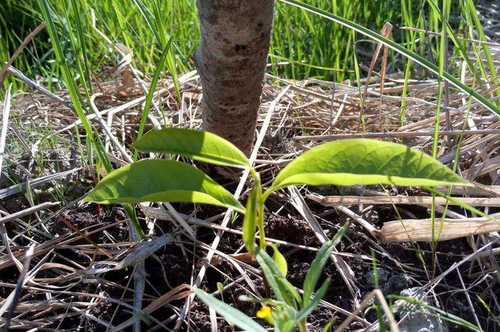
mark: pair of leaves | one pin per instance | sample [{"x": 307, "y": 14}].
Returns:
[
  {"x": 343, "y": 162},
  {"x": 172, "y": 181}
]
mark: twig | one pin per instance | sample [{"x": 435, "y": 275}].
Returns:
[
  {"x": 375, "y": 294},
  {"x": 398, "y": 134},
  {"x": 357, "y": 218},
  {"x": 21, "y": 47},
  {"x": 21, "y": 281},
  {"x": 46, "y": 246},
  {"x": 28, "y": 211},
  {"x": 386, "y": 32},
  {"x": 17, "y": 188},
  {"x": 35, "y": 86},
  {"x": 6, "y": 242},
  {"x": 434, "y": 282},
  {"x": 142, "y": 251},
  {"x": 403, "y": 200},
  {"x": 107, "y": 130},
  {"x": 339, "y": 112},
  {"x": 427, "y": 230},
  {"x": 139, "y": 275},
  {"x": 179, "y": 292},
  {"x": 469, "y": 301}
]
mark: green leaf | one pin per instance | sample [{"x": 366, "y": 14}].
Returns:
[
  {"x": 292, "y": 296},
  {"x": 271, "y": 273},
  {"x": 306, "y": 310},
  {"x": 250, "y": 222},
  {"x": 161, "y": 181},
  {"x": 282, "y": 288},
  {"x": 199, "y": 145},
  {"x": 71, "y": 82},
  {"x": 314, "y": 272},
  {"x": 328, "y": 327},
  {"x": 365, "y": 162},
  {"x": 280, "y": 260},
  {"x": 287, "y": 326},
  {"x": 230, "y": 314}
]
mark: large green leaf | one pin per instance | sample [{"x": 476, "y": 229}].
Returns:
[
  {"x": 199, "y": 145},
  {"x": 232, "y": 315},
  {"x": 161, "y": 181},
  {"x": 365, "y": 162}
]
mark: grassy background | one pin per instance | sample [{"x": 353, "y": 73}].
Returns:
[{"x": 312, "y": 46}]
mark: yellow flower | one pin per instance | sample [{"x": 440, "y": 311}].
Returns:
[{"x": 266, "y": 313}]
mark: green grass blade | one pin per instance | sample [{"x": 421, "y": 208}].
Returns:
[
  {"x": 488, "y": 104},
  {"x": 152, "y": 89},
  {"x": 307, "y": 309},
  {"x": 315, "y": 270},
  {"x": 71, "y": 85},
  {"x": 271, "y": 273},
  {"x": 230, "y": 314}
]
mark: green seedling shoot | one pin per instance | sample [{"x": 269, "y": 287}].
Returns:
[{"x": 341, "y": 163}]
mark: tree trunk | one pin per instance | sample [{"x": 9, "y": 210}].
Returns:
[{"x": 231, "y": 62}]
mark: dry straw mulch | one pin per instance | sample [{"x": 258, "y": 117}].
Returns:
[{"x": 68, "y": 265}]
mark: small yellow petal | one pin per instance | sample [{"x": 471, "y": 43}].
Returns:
[{"x": 266, "y": 313}]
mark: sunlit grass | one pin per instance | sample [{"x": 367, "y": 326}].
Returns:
[{"x": 312, "y": 46}]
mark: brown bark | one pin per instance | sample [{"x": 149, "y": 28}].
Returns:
[{"x": 231, "y": 62}]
